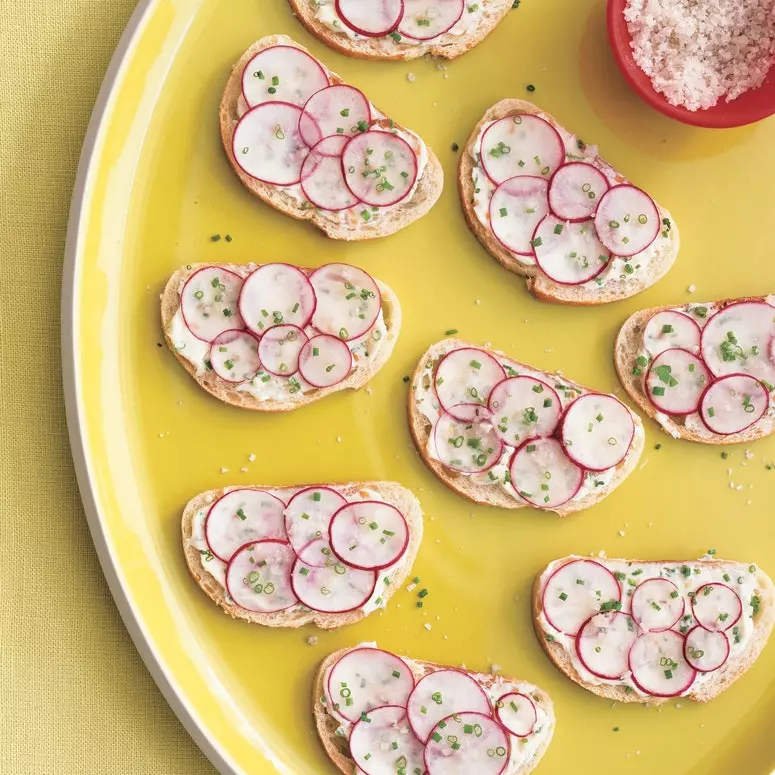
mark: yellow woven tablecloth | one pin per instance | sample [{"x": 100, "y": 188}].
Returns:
[{"x": 74, "y": 695}]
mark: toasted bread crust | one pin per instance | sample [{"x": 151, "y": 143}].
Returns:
[
  {"x": 722, "y": 678},
  {"x": 491, "y": 495},
  {"x": 228, "y": 393},
  {"x": 537, "y": 283},
  {"x": 446, "y": 46},
  {"x": 626, "y": 349},
  {"x": 425, "y": 195},
  {"x": 336, "y": 746},
  {"x": 392, "y": 493}
]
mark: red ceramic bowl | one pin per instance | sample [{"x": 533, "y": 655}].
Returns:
[{"x": 752, "y": 106}]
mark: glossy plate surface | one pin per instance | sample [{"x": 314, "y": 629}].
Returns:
[{"x": 154, "y": 186}]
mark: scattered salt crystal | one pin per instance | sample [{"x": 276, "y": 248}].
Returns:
[
  {"x": 495, "y": 668},
  {"x": 622, "y": 533},
  {"x": 427, "y": 626},
  {"x": 411, "y": 587},
  {"x": 411, "y": 77},
  {"x": 312, "y": 640},
  {"x": 339, "y": 439},
  {"x": 691, "y": 289},
  {"x": 252, "y": 458},
  {"x": 244, "y": 469},
  {"x": 224, "y": 470}
]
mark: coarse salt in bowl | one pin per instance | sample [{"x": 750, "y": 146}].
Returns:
[{"x": 748, "y": 108}]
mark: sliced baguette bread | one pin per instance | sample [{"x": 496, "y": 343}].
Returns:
[
  {"x": 229, "y": 392},
  {"x": 496, "y": 494},
  {"x": 477, "y": 22},
  {"x": 670, "y": 676},
  {"x": 525, "y": 754},
  {"x": 344, "y": 225},
  {"x": 619, "y": 284},
  {"x": 629, "y": 348},
  {"x": 208, "y": 570}
]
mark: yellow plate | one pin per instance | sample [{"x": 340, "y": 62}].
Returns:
[{"x": 154, "y": 186}]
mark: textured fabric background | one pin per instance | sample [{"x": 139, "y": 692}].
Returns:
[{"x": 74, "y": 695}]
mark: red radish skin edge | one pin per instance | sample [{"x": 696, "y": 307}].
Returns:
[
  {"x": 318, "y": 610},
  {"x": 537, "y": 505},
  {"x": 360, "y": 770},
  {"x": 233, "y": 331},
  {"x": 656, "y": 209},
  {"x": 215, "y": 502},
  {"x": 349, "y": 24},
  {"x": 554, "y": 573},
  {"x": 716, "y": 380},
  {"x": 437, "y": 34},
  {"x": 498, "y": 713},
  {"x": 552, "y": 394},
  {"x": 567, "y": 449},
  {"x": 301, "y": 325},
  {"x": 367, "y": 567},
  {"x": 549, "y": 192},
  {"x": 182, "y": 291},
  {"x": 349, "y": 371},
  {"x": 563, "y": 282},
  {"x": 648, "y": 374},
  {"x": 443, "y": 670},
  {"x": 688, "y": 658},
  {"x": 236, "y": 155},
  {"x": 507, "y": 757},
  {"x": 333, "y": 701},
  {"x": 739, "y": 602},
  {"x": 394, "y": 201},
  {"x": 281, "y": 373},
  {"x": 376, "y": 285},
  {"x": 486, "y": 404},
  {"x": 577, "y": 646},
  {"x": 661, "y": 629},
  {"x": 262, "y": 541},
  {"x": 510, "y": 249},
  {"x": 244, "y": 69},
  {"x": 301, "y": 492},
  {"x": 660, "y": 694}
]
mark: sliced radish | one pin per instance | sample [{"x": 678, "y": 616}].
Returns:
[
  {"x": 469, "y": 447},
  {"x": 603, "y": 644},
  {"x": 575, "y": 190},
  {"x": 464, "y": 379},
  {"x": 516, "y": 713},
  {"x": 349, "y": 301},
  {"x": 738, "y": 338},
  {"x": 338, "y": 110},
  {"x": 234, "y": 355},
  {"x": 275, "y": 294},
  {"x": 283, "y": 73},
  {"x": 676, "y": 381},
  {"x": 597, "y": 431},
  {"x": 371, "y": 18},
  {"x": 440, "y": 694},
  {"x": 258, "y": 576},
  {"x": 521, "y": 145},
  {"x": 516, "y": 208},
  {"x": 382, "y": 743},
  {"x": 706, "y": 650},
  {"x": 317, "y": 554},
  {"x": 325, "y": 360},
  {"x": 771, "y": 350},
  {"x": 716, "y": 606},
  {"x": 543, "y": 475},
  {"x": 670, "y": 329},
  {"x": 369, "y": 535},
  {"x": 267, "y": 144},
  {"x": 733, "y": 403},
  {"x": 380, "y": 168},
  {"x": 576, "y": 591},
  {"x": 208, "y": 302},
  {"x": 656, "y": 604},
  {"x": 332, "y": 589},
  {"x": 367, "y": 678},
  {"x": 569, "y": 253},
  {"x": 309, "y": 513},
  {"x": 522, "y": 408},
  {"x": 467, "y": 743},
  {"x": 627, "y": 220},
  {"x": 322, "y": 178},
  {"x": 427, "y": 19},
  {"x": 241, "y": 517},
  {"x": 279, "y": 349},
  {"x": 658, "y": 665}
]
